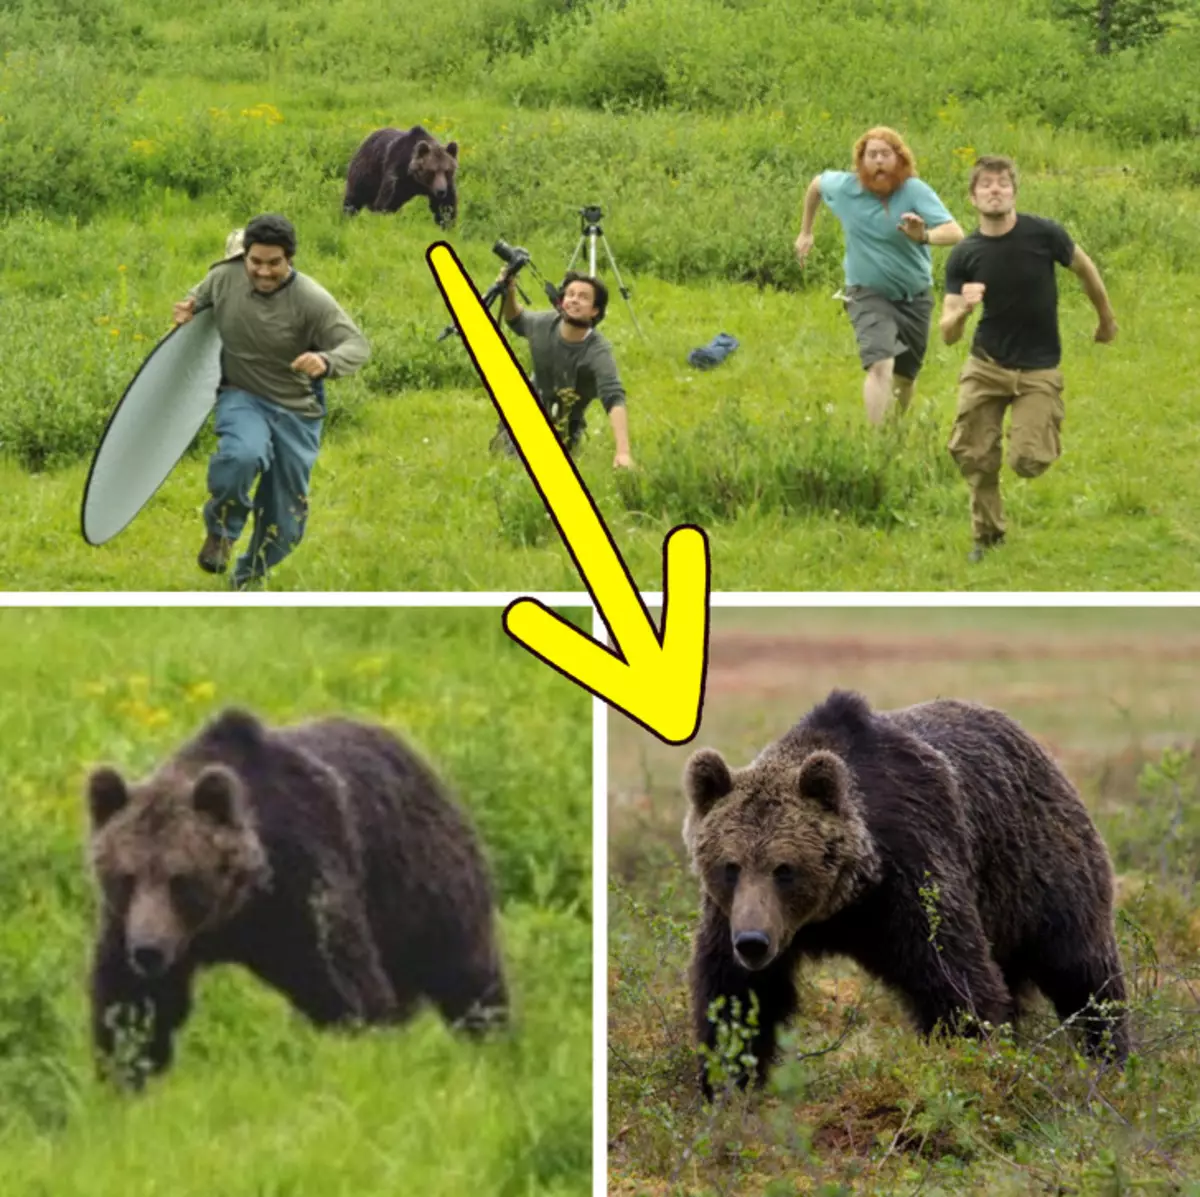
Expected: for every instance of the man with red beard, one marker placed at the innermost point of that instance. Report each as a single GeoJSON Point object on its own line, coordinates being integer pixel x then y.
{"type": "Point", "coordinates": [890, 218]}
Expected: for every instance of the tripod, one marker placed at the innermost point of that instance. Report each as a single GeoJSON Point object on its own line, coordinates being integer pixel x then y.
{"type": "Point", "coordinates": [492, 297]}
{"type": "Point", "coordinates": [591, 232]}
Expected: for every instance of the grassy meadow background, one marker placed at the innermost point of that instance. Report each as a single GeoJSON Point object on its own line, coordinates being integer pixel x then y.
{"type": "Point", "coordinates": [860, 1104]}
{"type": "Point", "coordinates": [135, 135]}
{"type": "Point", "coordinates": [258, 1103]}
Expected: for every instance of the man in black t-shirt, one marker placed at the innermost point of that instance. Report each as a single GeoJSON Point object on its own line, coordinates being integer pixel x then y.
{"type": "Point", "coordinates": [1008, 266]}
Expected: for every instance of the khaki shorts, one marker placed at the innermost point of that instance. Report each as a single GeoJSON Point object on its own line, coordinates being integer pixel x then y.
{"type": "Point", "coordinates": [886, 328]}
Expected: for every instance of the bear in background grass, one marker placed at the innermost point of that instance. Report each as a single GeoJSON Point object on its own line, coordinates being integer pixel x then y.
{"type": "Point", "coordinates": [393, 166]}
{"type": "Point", "coordinates": [325, 858]}
{"type": "Point", "coordinates": [938, 846]}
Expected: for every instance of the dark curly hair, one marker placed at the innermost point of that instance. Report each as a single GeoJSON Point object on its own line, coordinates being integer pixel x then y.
{"type": "Point", "coordinates": [599, 291]}
{"type": "Point", "coordinates": [271, 229]}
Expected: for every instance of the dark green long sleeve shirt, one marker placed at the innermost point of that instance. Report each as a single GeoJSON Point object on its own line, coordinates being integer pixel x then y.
{"type": "Point", "coordinates": [571, 372]}
{"type": "Point", "coordinates": [262, 334]}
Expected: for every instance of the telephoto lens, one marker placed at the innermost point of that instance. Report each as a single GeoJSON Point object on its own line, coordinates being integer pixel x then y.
{"type": "Point", "coordinates": [504, 251]}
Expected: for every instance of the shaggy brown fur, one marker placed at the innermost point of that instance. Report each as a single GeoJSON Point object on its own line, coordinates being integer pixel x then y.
{"type": "Point", "coordinates": [824, 843]}
{"type": "Point", "coordinates": [325, 858]}
{"type": "Point", "coordinates": [393, 166]}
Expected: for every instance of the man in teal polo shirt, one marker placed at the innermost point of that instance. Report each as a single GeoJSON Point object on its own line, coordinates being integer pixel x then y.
{"type": "Point", "coordinates": [890, 218]}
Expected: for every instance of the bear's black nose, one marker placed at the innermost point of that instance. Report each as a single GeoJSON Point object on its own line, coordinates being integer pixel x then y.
{"type": "Point", "coordinates": [148, 960]}
{"type": "Point", "coordinates": [752, 947]}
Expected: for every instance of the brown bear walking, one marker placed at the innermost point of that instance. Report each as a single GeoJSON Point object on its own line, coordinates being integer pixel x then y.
{"type": "Point", "coordinates": [938, 846]}
{"type": "Point", "coordinates": [393, 166]}
{"type": "Point", "coordinates": [325, 858]}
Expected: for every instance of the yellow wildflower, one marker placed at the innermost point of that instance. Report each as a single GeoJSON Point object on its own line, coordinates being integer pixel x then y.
{"type": "Point", "coordinates": [369, 666]}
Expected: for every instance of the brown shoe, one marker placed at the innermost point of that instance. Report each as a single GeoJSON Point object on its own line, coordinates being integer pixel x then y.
{"type": "Point", "coordinates": [214, 556]}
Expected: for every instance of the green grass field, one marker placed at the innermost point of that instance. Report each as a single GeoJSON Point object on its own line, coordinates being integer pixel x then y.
{"type": "Point", "coordinates": [1113, 694]}
{"type": "Point", "coordinates": [135, 136]}
{"type": "Point", "coordinates": [258, 1103]}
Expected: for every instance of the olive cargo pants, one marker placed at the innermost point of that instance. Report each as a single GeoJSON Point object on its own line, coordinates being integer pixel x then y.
{"type": "Point", "coordinates": [985, 391]}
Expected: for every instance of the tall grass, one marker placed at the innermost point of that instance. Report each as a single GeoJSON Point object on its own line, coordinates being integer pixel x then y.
{"type": "Point", "coordinates": [258, 1102]}
{"type": "Point", "coordinates": [135, 136]}
{"type": "Point", "coordinates": [858, 1102]}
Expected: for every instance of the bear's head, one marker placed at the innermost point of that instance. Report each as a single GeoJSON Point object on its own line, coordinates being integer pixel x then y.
{"type": "Point", "coordinates": [174, 856]}
{"type": "Point", "coordinates": [433, 166]}
{"type": "Point", "coordinates": [777, 845]}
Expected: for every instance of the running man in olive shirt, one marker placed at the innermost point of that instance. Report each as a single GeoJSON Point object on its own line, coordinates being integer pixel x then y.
{"type": "Point", "coordinates": [572, 363]}
{"type": "Point", "coordinates": [1008, 266]}
{"type": "Point", "coordinates": [282, 336]}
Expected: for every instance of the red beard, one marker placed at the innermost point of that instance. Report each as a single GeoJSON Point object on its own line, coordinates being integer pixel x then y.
{"type": "Point", "coordinates": [883, 184]}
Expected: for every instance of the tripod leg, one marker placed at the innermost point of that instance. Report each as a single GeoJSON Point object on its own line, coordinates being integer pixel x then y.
{"type": "Point", "coordinates": [492, 297]}
{"type": "Point", "coordinates": [622, 288]}
{"type": "Point", "coordinates": [578, 247]}
{"type": "Point", "coordinates": [494, 301]}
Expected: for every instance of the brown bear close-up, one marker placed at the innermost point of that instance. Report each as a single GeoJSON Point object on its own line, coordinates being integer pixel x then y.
{"type": "Point", "coordinates": [392, 166]}
{"type": "Point", "coordinates": [326, 858]}
{"type": "Point", "coordinates": [938, 846]}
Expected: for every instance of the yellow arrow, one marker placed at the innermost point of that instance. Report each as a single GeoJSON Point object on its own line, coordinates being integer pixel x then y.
{"type": "Point", "coordinates": [657, 680]}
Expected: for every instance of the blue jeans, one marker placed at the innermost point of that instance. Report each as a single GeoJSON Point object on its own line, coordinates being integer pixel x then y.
{"type": "Point", "coordinates": [260, 439]}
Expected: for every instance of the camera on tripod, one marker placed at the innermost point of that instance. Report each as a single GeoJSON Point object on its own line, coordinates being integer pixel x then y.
{"type": "Point", "coordinates": [515, 259]}
{"type": "Point", "coordinates": [590, 233]}
{"type": "Point", "coordinates": [513, 256]}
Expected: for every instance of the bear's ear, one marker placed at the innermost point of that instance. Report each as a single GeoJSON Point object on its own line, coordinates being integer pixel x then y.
{"type": "Point", "coordinates": [238, 726]}
{"type": "Point", "coordinates": [452, 149]}
{"type": "Point", "coordinates": [823, 779]}
{"type": "Point", "coordinates": [217, 793]}
{"type": "Point", "coordinates": [107, 794]}
{"type": "Point", "coordinates": [706, 780]}
{"type": "Point", "coordinates": [421, 150]}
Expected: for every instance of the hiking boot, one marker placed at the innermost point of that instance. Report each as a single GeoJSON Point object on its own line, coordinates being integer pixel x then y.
{"type": "Point", "coordinates": [214, 556]}
{"type": "Point", "coordinates": [982, 548]}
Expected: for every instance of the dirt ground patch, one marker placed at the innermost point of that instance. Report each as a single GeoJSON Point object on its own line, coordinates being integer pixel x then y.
{"type": "Point", "coordinates": [740, 660]}
{"type": "Point", "coordinates": [1091, 694]}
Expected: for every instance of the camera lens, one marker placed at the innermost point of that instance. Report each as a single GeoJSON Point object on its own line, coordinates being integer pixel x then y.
{"type": "Point", "coordinates": [503, 250]}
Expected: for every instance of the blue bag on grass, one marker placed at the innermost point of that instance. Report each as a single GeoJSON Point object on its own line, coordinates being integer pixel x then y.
{"type": "Point", "coordinates": [714, 353]}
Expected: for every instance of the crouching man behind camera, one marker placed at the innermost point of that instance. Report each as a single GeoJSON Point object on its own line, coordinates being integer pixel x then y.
{"type": "Point", "coordinates": [572, 363]}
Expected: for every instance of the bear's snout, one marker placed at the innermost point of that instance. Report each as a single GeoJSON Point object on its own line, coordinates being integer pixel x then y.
{"type": "Point", "coordinates": [154, 932]}
{"type": "Point", "coordinates": [752, 948]}
{"type": "Point", "coordinates": [755, 922]}
{"type": "Point", "coordinates": [148, 959]}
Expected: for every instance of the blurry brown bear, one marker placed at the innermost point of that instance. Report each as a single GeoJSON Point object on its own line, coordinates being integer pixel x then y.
{"type": "Point", "coordinates": [325, 858]}
{"type": "Point", "coordinates": [938, 846]}
{"type": "Point", "coordinates": [393, 166]}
